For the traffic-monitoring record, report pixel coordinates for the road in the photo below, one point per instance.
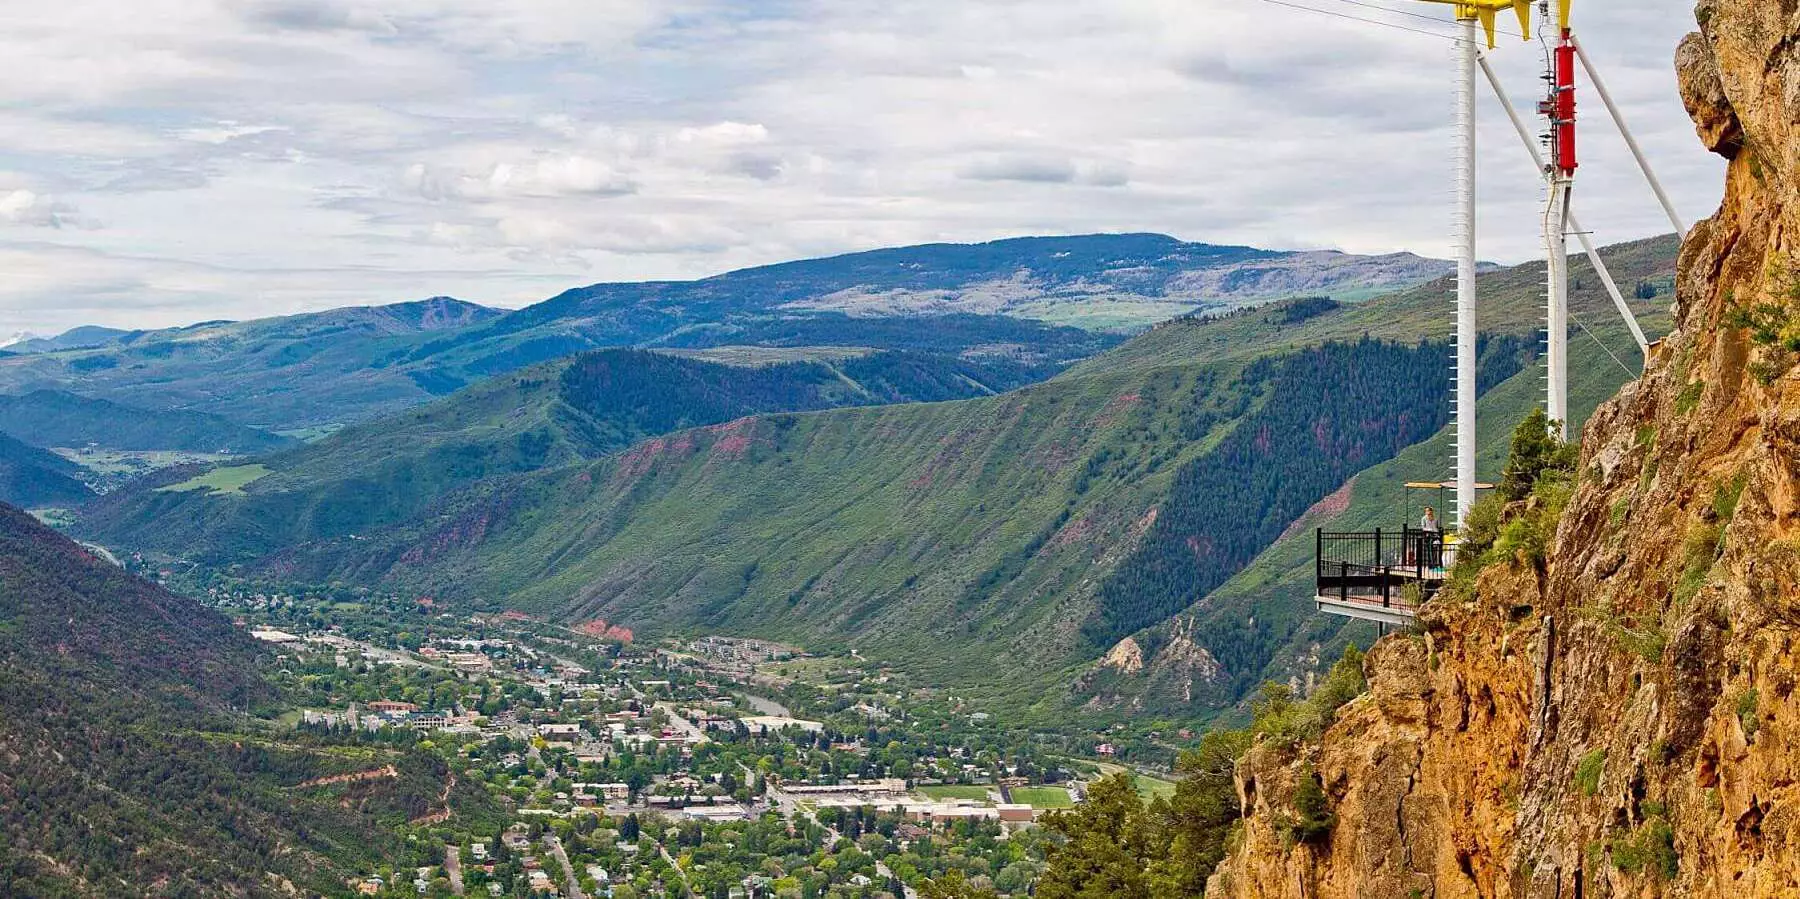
(453, 868)
(562, 858)
(672, 863)
(680, 723)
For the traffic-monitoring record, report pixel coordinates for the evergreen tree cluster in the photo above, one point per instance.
(1327, 413)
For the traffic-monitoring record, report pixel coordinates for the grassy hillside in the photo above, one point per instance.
(50, 418)
(558, 413)
(275, 374)
(1260, 625)
(35, 478)
(129, 771)
(969, 541)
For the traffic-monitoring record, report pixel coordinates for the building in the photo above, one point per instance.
(560, 733)
(387, 707)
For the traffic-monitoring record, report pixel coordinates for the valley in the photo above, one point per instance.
(672, 450)
(722, 490)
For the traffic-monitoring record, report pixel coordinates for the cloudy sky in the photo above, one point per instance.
(168, 161)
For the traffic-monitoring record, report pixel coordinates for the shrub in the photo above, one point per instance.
(1277, 715)
(1649, 850)
(1537, 453)
(1313, 818)
(1773, 325)
(1588, 771)
(1747, 703)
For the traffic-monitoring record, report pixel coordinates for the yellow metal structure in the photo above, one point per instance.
(1485, 10)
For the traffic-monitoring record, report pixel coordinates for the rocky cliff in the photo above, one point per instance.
(1615, 716)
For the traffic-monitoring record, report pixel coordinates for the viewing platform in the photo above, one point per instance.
(1381, 576)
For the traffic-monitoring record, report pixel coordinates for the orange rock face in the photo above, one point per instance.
(1623, 721)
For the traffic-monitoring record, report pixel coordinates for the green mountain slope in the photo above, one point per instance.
(558, 413)
(126, 773)
(50, 418)
(1021, 534)
(962, 538)
(1259, 625)
(1511, 303)
(277, 373)
(34, 478)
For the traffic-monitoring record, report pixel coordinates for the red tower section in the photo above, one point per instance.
(1563, 106)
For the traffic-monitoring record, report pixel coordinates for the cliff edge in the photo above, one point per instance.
(1611, 712)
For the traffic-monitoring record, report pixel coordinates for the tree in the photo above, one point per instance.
(954, 885)
(1110, 841)
(1536, 451)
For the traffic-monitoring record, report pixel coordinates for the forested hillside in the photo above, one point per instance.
(52, 418)
(128, 770)
(1335, 410)
(32, 477)
(1258, 625)
(969, 540)
(558, 413)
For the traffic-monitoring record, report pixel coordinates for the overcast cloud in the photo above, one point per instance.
(169, 161)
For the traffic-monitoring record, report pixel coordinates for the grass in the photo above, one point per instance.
(229, 481)
(1148, 787)
(1043, 797)
(313, 434)
(954, 791)
(54, 517)
(132, 463)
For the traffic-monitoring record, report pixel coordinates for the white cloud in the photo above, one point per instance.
(24, 207)
(254, 156)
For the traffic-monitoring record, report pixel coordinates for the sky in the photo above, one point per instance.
(170, 161)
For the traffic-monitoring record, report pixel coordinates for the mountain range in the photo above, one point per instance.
(1102, 515)
(1039, 302)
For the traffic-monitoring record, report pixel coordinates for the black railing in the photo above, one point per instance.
(1379, 566)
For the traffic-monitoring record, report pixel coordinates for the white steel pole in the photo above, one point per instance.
(1468, 56)
(1618, 118)
(1587, 243)
(1556, 360)
(1559, 181)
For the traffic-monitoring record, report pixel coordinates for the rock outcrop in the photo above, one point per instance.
(1621, 720)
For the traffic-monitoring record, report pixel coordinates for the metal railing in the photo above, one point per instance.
(1378, 567)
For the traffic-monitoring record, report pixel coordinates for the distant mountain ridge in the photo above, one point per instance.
(1046, 301)
(52, 418)
(33, 477)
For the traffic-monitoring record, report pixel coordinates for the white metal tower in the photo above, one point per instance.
(1463, 407)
